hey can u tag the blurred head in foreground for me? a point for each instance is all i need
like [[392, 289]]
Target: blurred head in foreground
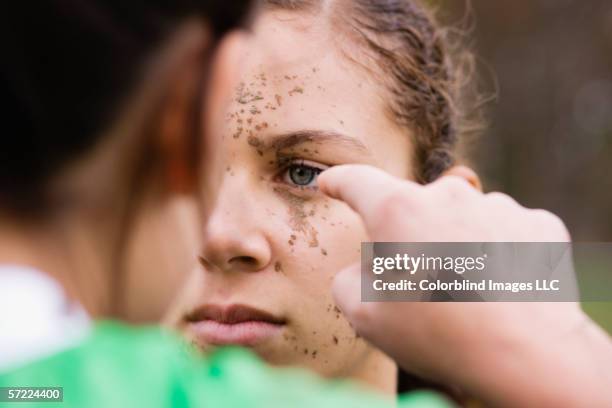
[[102, 113]]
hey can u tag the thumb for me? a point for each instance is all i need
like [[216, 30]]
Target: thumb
[[365, 189]]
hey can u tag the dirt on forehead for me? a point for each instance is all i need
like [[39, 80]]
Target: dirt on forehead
[[252, 98]]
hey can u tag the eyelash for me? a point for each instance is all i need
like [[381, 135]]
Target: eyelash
[[285, 176]]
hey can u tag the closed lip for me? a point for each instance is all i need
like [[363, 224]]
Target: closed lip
[[232, 314], [232, 325]]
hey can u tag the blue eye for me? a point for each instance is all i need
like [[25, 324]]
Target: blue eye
[[302, 175]]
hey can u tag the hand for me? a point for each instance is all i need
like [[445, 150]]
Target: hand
[[449, 209], [503, 353]]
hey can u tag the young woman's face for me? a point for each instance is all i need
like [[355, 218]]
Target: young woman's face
[[273, 243]]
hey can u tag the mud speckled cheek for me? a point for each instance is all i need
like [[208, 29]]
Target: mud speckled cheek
[[298, 217], [254, 141]]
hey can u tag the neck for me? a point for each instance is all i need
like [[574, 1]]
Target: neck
[[61, 249], [24, 244], [378, 371]]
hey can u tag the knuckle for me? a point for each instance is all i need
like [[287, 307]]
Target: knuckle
[[501, 199], [453, 187], [553, 224]]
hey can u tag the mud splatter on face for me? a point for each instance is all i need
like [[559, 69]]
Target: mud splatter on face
[[253, 98], [292, 239], [296, 89], [298, 218], [238, 132], [254, 141], [244, 95]]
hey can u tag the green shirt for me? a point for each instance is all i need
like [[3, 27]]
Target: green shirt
[[119, 366]]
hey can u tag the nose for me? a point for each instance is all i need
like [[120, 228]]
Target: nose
[[234, 238]]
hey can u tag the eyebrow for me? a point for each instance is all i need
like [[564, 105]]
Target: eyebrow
[[292, 139]]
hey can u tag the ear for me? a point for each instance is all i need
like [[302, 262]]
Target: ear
[[467, 174]]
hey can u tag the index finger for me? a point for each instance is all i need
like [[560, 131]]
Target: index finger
[[365, 189]]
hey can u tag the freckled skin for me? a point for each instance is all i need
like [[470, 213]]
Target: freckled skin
[[297, 238]]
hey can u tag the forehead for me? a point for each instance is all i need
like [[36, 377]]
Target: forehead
[[294, 65], [296, 77]]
